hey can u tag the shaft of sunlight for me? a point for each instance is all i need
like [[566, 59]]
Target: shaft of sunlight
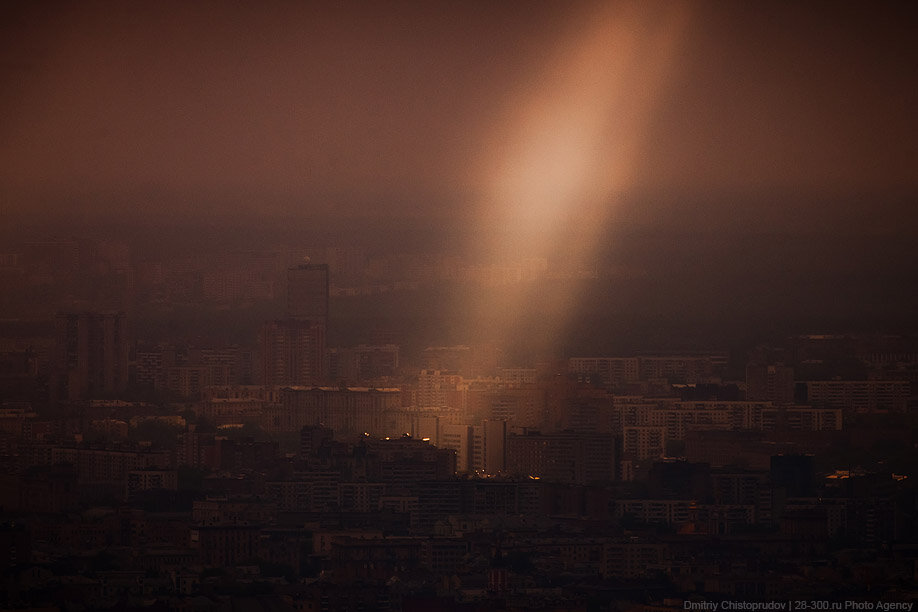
[[564, 150]]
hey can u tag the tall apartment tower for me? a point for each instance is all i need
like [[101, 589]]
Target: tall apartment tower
[[307, 292], [293, 348], [91, 358], [293, 352]]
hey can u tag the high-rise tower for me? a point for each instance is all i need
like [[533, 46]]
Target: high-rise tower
[[307, 292], [91, 354], [293, 348]]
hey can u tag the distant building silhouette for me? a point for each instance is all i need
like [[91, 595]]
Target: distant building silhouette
[[293, 352], [566, 456], [307, 292], [91, 354], [362, 363], [348, 411], [293, 349], [773, 383]]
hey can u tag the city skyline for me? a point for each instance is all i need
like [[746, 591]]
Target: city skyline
[[458, 306]]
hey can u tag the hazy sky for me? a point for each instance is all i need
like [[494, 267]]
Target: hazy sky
[[761, 112]]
